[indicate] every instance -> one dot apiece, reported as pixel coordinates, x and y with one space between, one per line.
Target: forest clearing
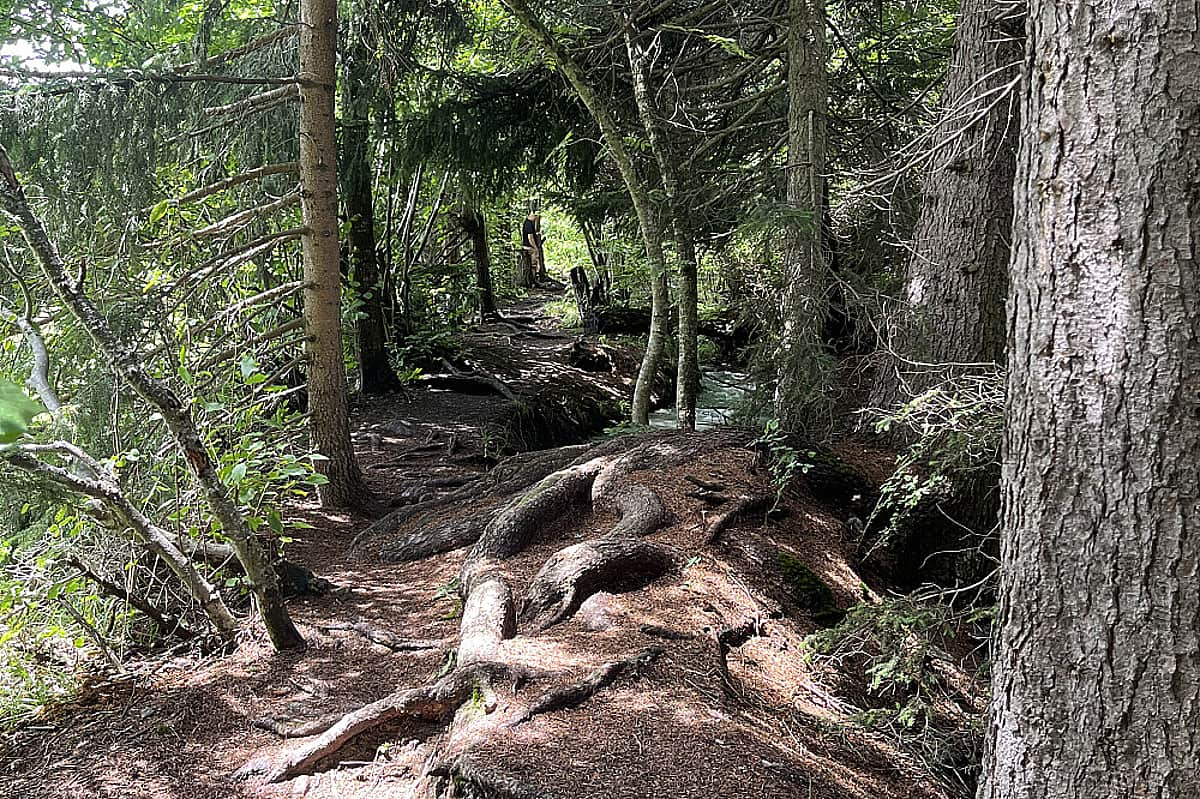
500 399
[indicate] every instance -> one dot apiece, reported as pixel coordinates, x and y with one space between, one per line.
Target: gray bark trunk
639 194
1097 674
328 413
800 360
687 383
952 309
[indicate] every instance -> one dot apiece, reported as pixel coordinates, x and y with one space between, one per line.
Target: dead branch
259 102
386 638
745 506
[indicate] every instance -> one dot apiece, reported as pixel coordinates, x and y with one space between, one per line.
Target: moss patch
808 590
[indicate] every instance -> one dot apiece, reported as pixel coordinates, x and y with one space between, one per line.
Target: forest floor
703 689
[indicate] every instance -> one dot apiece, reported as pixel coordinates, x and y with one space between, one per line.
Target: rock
600 612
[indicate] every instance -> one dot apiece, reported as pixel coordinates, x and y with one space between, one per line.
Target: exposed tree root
302 730
487 619
573 574
576 694
514 526
642 511
745 506
732 637
387 638
435 702
551 485
705 485
508 476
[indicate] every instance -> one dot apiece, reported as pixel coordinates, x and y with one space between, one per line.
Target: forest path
711 697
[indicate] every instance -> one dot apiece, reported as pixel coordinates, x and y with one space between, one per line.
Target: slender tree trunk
687 382
1097 673
474 224
176 414
639 194
801 369
953 304
375 370
330 420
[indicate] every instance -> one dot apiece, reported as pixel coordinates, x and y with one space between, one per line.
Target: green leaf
237 474
158 211
16 412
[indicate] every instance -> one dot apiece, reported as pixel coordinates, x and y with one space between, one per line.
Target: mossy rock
807 590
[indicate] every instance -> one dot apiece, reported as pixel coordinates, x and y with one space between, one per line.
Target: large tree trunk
800 360
328 413
375 370
953 303
1097 674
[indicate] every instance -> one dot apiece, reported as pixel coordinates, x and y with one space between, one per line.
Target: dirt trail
724 704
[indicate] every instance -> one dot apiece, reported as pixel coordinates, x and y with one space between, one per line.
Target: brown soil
181 726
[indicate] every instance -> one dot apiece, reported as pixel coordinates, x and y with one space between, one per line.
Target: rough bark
587 300
1097 673
328 413
576 572
526 273
474 224
176 414
800 360
952 308
375 370
639 193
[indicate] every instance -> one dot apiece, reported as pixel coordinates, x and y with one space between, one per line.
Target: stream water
722 394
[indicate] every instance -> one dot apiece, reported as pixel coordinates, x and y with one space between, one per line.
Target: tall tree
375 370
687 377
800 370
1097 674
328 412
648 215
953 302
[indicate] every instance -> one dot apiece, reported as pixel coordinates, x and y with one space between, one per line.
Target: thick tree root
427 539
512 529
487 620
436 702
642 511
425 542
573 574
576 694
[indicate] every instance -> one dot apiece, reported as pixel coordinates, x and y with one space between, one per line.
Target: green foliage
898 645
16 412
956 429
784 461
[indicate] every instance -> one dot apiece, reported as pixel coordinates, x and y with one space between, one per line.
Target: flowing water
722 394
